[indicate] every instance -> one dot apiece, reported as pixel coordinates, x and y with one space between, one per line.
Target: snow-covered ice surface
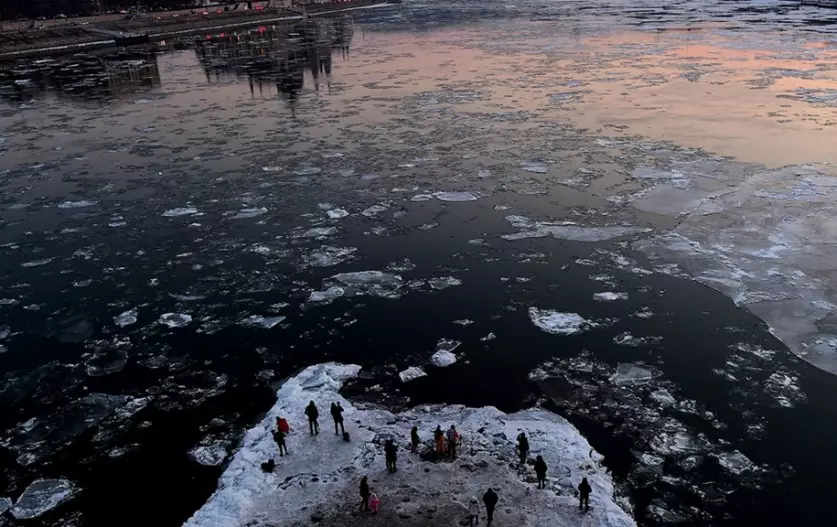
320 475
558 323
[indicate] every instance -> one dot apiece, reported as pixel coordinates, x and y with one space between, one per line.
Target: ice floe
568 231
443 282
327 296
374 210
372 283
337 214
318 479
412 373
558 323
212 455
259 321
36 263
182 211
41 496
454 196
535 167
327 256
609 296
244 214
443 359
175 320
126 318
76 204
629 373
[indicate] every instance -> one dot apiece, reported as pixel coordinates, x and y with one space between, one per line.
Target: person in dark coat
453 437
584 491
490 499
540 470
337 415
414 439
391 454
523 447
279 437
313 414
364 494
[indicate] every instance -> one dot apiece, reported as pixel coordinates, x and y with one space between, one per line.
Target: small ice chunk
443 359
448 345
319 232
250 213
454 196
328 296
735 462
411 373
628 374
609 296
374 283
575 233
36 263
106 362
627 339
181 211
374 210
5 504
209 455
258 321
535 167
175 320
328 256
76 204
41 496
558 323
463 322
272 169
5 331
489 337
443 282
401 265
422 197
663 397
127 318
337 214
308 171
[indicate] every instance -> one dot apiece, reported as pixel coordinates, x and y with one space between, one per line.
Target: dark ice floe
5 504
41 496
628 373
559 323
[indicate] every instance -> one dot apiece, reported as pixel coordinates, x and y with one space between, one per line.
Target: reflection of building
278 55
85 76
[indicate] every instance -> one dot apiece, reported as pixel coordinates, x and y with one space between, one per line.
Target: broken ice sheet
373 283
175 320
401 265
443 282
211 455
258 321
41 496
631 374
327 256
337 214
327 296
735 462
558 323
411 373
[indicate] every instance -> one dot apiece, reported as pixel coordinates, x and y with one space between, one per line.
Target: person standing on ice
282 425
313 414
523 447
364 494
337 415
414 439
439 436
453 437
540 470
374 502
490 499
391 454
473 512
584 491
279 437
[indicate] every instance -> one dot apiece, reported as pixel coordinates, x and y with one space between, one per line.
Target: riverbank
107 30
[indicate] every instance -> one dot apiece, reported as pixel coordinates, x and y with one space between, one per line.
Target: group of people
446 443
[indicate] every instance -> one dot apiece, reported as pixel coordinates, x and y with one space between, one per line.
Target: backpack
346 436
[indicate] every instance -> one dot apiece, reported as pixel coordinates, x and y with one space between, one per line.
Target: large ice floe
768 241
567 231
318 479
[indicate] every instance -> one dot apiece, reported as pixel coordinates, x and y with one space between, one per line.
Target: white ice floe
535 167
76 204
443 282
337 214
41 496
319 477
210 455
558 323
374 210
308 171
443 359
609 296
181 211
454 196
318 232
735 462
412 373
259 321
373 283
244 214
175 320
489 337
126 318
422 197
327 256
576 233
463 322
36 263
327 296
627 339
631 374
663 397
272 169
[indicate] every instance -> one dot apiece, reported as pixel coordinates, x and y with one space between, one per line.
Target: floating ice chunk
5 504
428 226
422 197
610 296
36 263
308 171
489 337
463 322
374 210
272 169
41 496
412 373
337 214
401 265
258 321
535 166
784 388
735 462
187 298
663 397
106 362
645 312
454 196
558 323
374 283
250 213
443 282
210 455
175 320
443 359
631 374
448 345
576 233
5 331
332 155
626 339
76 204
127 318
328 296
328 256
182 211
319 232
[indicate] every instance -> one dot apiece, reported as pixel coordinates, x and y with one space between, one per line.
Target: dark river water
175 225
